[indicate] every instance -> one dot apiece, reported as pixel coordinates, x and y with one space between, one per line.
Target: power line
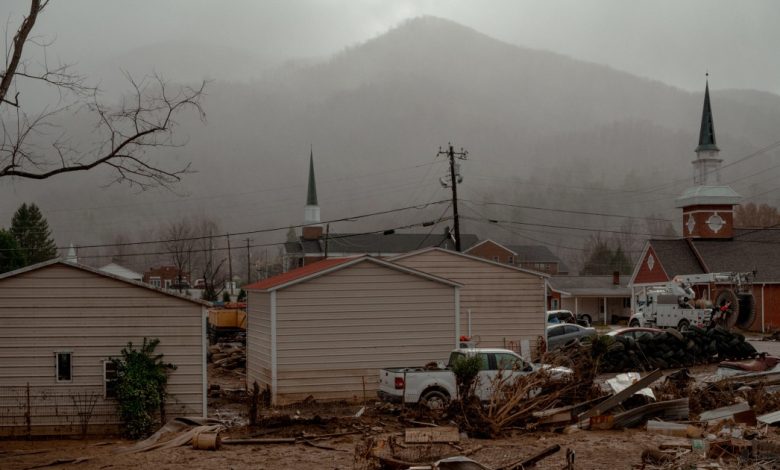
260 245
250 232
565 211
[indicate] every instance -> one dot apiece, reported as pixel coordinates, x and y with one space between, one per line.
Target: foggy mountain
542 130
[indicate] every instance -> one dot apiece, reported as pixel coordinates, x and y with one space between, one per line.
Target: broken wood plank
621 396
278 440
426 435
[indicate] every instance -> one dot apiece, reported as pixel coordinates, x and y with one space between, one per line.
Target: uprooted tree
34 143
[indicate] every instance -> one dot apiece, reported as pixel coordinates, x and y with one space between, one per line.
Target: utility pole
248 263
454 179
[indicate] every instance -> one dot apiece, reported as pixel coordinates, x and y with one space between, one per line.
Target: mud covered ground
593 449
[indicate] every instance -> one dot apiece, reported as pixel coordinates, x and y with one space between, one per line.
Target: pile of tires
672 349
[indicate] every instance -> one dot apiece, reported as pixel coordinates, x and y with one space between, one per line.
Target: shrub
142 377
226 296
466 369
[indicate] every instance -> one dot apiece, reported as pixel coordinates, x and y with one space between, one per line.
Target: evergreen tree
32 234
10 256
603 260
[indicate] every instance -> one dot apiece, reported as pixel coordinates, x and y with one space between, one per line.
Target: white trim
92 270
273 348
472 257
204 359
491 241
354 261
639 263
457 317
708 211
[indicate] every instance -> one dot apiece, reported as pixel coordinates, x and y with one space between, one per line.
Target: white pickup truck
435 387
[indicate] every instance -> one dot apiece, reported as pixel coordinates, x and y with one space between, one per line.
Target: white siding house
60 322
503 304
327 328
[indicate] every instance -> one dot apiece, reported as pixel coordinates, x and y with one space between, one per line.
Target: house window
109 379
510 259
554 304
167 283
63 366
155 282
495 258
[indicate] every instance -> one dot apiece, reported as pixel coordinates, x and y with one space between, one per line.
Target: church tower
708 205
311 212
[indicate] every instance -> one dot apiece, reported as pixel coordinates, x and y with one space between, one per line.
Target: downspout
273 348
763 330
457 317
204 359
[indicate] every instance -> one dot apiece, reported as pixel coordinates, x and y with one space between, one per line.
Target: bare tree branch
147 118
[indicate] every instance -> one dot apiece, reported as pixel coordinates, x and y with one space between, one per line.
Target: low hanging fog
567 109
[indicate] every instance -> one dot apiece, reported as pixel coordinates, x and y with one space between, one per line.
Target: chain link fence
55 411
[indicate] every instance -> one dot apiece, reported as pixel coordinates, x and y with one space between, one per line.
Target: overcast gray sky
670 40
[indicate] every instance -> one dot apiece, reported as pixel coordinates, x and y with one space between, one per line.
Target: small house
62 322
501 305
326 329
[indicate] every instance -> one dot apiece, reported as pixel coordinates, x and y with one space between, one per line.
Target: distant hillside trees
751 215
604 257
122 134
32 235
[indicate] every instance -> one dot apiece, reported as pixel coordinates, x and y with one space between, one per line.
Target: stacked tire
673 349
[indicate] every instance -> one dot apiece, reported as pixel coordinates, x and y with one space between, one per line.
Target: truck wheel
683 326
634 323
586 319
434 399
727 298
747 311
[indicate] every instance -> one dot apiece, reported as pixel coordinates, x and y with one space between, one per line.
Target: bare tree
751 215
34 145
180 243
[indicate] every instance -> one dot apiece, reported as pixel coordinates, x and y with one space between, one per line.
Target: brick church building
711 244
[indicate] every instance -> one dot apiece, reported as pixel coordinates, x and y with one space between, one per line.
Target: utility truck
674 304
435 386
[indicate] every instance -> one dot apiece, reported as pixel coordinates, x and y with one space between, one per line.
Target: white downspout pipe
763 325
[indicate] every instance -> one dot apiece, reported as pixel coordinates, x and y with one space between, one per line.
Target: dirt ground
593 449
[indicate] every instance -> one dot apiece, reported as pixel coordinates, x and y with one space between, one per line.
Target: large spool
207 440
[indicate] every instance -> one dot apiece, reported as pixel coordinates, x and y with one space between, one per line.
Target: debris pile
228 355
672 349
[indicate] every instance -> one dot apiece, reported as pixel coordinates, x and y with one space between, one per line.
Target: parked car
435 387
565 334
566 316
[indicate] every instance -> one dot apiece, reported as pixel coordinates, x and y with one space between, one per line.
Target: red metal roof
297 273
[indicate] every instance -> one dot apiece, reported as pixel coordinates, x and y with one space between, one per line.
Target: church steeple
707 131
311 213
708 205
311 194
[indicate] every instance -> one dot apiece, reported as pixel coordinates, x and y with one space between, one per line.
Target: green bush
466 369
226 296
142 377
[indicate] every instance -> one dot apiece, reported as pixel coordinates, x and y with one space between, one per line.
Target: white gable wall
507 305
62 308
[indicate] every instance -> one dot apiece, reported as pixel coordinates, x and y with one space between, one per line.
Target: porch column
576 307
604 299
